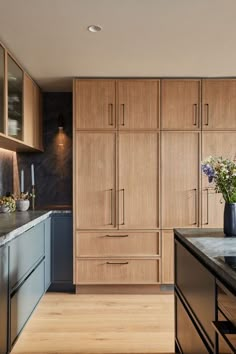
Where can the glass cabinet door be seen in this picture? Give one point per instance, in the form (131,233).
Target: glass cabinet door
(2,72)
(15,99)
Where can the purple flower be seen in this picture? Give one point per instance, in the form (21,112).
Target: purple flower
(209,171)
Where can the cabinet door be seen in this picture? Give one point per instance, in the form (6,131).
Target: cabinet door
(138,180)
(180,101)
(47,233)
(95,180)
(138,104)
(29,108)
(219,104)
(2,89)
(180,173)
(38,117)
(167,257)
(94,104)
(15,99)
(215,144)
(3,299)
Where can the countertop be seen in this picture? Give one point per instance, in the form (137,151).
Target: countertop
(209,244)
(14,224)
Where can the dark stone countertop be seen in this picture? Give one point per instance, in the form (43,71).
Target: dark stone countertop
(14,224)
(209,246)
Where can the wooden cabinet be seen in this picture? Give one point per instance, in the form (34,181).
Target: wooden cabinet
(138,180)
(138,104)
(2,89)
(180,178)
(94,104)
(117,271)
(167,256)
(180,102)
(122,244)
(218,104)
(95,180)
(215,144)
(32,126)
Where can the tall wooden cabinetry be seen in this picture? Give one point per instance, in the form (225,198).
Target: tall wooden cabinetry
(137,175)
(116,182)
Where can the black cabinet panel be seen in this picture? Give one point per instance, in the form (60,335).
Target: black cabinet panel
(197,285)
(62,253)
(3,299)
(187,335)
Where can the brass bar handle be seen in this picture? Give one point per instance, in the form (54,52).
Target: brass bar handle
(207,114)
(196,206)
(123,114)
(115,236)
(123,218)
(117,263)
(110,114)
(207,211)
(195,114)
(111,192)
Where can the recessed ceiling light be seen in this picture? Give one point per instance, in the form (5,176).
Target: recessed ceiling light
(94,28)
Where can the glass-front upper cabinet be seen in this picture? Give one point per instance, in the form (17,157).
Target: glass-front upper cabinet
(15,99)
(2,85)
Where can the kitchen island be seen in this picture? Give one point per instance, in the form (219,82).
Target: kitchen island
(205,291)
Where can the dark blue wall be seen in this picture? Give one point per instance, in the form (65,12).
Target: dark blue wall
(53,167)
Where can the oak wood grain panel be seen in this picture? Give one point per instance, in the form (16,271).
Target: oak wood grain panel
(215,144)
(138,180)
(180,104)
(138,104)
(95,104)
(117,244)
(38,127)
(95,181)
(167,253)
(129,271)
(29,106)
(218,104)
(180,174)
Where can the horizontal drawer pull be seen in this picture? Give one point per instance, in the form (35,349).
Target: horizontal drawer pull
(116,236)
(117,263)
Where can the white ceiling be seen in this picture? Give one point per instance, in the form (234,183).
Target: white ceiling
(140,38)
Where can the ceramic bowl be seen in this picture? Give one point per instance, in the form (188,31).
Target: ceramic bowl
(22,204)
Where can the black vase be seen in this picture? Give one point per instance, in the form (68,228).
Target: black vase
(230,219)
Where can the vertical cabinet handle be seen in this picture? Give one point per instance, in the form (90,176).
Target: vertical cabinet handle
(123,217)
(196,206)
(206,105)
(207,206)
(111,217)
(123,114)
(195,114)
(110,114)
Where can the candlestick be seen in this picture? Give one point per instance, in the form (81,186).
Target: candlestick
(32,175)
(33,197)
(22,181)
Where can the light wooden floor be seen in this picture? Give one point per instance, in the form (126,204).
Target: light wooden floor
(99,324)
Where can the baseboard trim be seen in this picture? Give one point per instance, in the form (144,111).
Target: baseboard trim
(122,289)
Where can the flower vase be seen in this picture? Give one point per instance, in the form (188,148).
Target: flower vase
(230,219)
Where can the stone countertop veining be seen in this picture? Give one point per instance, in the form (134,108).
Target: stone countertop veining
(14,224)
(208,245)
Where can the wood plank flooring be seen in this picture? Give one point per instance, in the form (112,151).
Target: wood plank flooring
(99,324)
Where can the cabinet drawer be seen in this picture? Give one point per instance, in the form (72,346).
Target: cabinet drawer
(25,251)
(186,334)
(117,271)
(117,244)
(25,299)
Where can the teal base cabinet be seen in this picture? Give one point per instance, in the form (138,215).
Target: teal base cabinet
(3,299)
(47,231)
(62,253)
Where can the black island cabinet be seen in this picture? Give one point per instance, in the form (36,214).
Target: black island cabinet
(201,326)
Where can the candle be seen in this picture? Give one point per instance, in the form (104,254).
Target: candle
(32,175)
(22,181)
